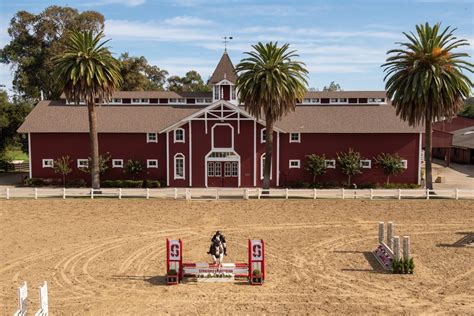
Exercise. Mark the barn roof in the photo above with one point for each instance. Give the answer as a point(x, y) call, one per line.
point(59, 117)
point(464, 137)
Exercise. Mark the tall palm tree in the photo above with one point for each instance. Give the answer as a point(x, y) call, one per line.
point(426, 80)
point(88, 71)
point(269, 84)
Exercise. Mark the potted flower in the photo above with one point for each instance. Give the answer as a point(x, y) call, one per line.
point(172, 277)
point(257, 277)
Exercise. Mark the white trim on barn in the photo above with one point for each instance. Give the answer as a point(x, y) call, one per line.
point(29, 156)
point(168, 158)
point(175, 158)
point(212, 134)
point(419, 158)
point(190, 156)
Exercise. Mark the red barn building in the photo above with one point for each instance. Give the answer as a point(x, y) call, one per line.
point(205, 139)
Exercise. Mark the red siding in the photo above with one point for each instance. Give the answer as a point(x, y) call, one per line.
point(369, 145)
point(134, 146)
point(76, 146)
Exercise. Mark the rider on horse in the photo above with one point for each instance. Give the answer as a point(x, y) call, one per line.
point(218, 236)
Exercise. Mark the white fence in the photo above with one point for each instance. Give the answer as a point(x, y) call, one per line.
point(235, 193)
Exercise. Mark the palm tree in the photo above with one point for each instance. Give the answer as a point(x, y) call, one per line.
point(426, 80)
point(269, 84)
point(88, 71)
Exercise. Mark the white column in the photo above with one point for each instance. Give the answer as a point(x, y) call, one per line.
point(278, 160)
point(29, 155)
point(254, 153)
point(190, 156)
point(420, 148)
point(167, 158)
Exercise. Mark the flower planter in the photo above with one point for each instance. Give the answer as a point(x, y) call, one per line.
point(256, 280)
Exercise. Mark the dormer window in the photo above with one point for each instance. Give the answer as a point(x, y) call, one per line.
point(135, 100)
point(117, 101)
point(217, 92)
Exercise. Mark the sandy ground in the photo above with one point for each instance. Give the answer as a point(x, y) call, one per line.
point(107, 257)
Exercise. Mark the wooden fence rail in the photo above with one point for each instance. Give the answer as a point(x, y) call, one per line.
point(235, 193)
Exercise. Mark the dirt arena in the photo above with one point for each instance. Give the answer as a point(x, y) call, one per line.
point(107, 257)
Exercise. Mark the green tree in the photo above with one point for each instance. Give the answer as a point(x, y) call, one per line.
point(62, 166)
point(390, 163)
point(133, 168)
point(138, 75)
point(35, 39)
point(468, 108)
point(12, 115)
point(425, 80)
point(87, 70)
point(332, 87)
point(349, 162)
point(316, 165)
point(191, 82)
point(269, 84)
point(103, 164)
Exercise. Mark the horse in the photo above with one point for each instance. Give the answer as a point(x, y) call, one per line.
point(217, 252)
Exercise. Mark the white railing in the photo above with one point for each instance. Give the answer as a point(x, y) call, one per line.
point(235, 193)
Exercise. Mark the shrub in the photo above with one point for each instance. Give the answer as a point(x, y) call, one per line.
point(76, 183)
point(132, 183)
point(401, 186)
point(6, 163)
point(133, 168)
point(62, 166)
point(153, 184)
point(34, 182)
point(172, 272)
point(112, 184)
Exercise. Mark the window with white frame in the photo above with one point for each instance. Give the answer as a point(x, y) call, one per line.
point(366, 163)
point(294, 164)
point(48, 163)
point(227, 169)
point(306, 101)
point(145, 101)
point(218, 169)
point(263, 135)
point(342, 100)
point(235, 169)
point(117, 163)
point(404, 163)
point(262, 164)
point(179, 166)
point(233, 92)
point(135, 100)
point(210, 169)
point(334, 100)
point(152, 163)
point(82, 163)
point(117, 101)
point(315, 100)
point(179, 135)
point(295, 137)
point(330, 164)
point(376, 100)
point(152, 138)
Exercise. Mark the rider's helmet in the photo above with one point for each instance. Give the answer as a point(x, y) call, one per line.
point(218, 232)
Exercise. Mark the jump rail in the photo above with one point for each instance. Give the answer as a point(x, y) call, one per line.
point(235, 193)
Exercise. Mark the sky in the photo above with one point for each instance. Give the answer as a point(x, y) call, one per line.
point(341, 41)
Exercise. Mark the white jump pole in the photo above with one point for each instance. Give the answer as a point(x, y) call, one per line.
point(396, 247)
point(406, 247)
point(390, 234)
point(381, 232)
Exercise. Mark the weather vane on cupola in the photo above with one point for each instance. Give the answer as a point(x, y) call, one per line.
point(225, 41)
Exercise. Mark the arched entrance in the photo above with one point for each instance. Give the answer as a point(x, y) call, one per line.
point(222, 169)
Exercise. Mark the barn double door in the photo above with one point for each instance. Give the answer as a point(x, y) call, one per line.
point(222, 173)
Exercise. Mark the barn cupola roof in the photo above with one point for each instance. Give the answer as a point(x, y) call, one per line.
point(224, 71)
